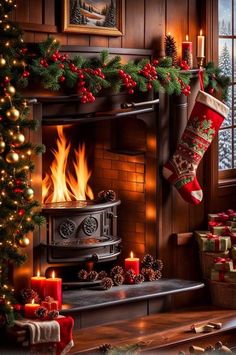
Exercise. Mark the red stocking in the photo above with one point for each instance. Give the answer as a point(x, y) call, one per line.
point(204, 122)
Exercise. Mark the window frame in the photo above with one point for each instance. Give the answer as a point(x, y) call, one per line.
point(219, 184)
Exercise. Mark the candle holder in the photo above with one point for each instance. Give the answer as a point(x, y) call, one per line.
point(200, 62)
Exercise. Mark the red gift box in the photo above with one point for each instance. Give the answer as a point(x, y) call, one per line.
point(50, 304)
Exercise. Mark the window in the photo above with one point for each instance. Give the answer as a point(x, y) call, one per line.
point(227, 63)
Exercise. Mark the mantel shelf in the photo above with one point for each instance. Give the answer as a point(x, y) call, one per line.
point(95, 297)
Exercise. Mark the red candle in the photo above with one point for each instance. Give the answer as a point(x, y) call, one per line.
point(38, 284)
point(53, 288)
point(132, 263)
point(187, 51)
point(30, 309)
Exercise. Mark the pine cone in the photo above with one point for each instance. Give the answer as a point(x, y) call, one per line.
point(107, 283)
point(28, 294)
point(92, 276)
point(41, 312)
point(139, 279)
point(53, 314)
point(129, 276)
point(158, 274)
point(116, 270)
point(147, 261)
point(171, 49)
point(157, 265)
point(106, 195)
point(104, 348)
point(82, 275)
point(148, 273)
point(118, 279)
point(102, 274)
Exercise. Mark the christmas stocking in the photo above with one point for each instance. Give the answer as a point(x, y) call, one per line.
point(204, 122)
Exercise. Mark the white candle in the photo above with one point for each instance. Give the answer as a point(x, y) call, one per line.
point(200, 45)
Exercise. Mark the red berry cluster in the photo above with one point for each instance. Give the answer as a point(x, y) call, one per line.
point(56, 56)
point(185, 89)
point(184, 65)
point(127, 81)
point(149, 71)
point(43, 62)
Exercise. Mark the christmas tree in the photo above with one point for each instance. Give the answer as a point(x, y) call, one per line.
point(110, 19)
point(225, 61)
point(18, 215)
point(75, 13)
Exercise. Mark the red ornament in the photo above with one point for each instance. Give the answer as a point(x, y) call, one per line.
point(24, 50)
point(17, 190)
point(6, 80)
point(211, 91)
point(26, 74)
point(21, 212)
point(62, 78)
point(1, 117)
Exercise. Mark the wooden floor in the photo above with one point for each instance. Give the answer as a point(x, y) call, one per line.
point(163, 333)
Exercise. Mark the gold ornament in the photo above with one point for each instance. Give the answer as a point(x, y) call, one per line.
point(28, 193)
point(23, 242)
point(12, 157)
point(10, 90)
point(18, 139)
point(2, 145)
point(13, 114)
point(2, 62)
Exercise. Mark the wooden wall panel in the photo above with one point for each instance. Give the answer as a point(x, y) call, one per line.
point(177, 19)
point(36, 11)
point(134, 24)
point(155, 25)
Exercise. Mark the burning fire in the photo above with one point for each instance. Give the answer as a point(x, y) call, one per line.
point(62, 185)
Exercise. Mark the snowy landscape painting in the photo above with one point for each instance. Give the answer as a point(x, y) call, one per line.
point(93, 16)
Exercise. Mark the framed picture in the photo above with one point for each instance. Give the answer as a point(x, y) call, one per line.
point(100, 17)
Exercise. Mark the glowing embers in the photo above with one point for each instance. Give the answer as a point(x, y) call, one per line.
point(65, 182)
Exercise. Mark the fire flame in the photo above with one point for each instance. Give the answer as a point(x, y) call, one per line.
point(61, 185)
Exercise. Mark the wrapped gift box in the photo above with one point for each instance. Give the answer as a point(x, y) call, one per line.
point(50, 304)
point(220, 230)
point(207, 260)
point(218, 217)
point(223, 276)
point(223, 264)
point(231, 224)
point(215, 243)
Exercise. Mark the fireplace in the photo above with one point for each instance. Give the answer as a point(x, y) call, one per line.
point(119, 138)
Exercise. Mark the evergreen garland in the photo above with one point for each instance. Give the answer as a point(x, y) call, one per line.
point(216, 83)
point(90, 76)
point(18, 208)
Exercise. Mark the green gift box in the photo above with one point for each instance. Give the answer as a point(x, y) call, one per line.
point(215, 243)
point(220, 230)
point(231, 224)
point(223, 264)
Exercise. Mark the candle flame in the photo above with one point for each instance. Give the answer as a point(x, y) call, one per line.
point(32, 302)
point(53, 274)
point(186, 37)
point(200, 32)
point(131, 255)
point(38, 273)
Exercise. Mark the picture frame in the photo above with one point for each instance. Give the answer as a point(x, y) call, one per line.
point(97, 17)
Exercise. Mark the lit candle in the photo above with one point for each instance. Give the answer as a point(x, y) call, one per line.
point(132, 263)
point(30, 309)
point(53, 288)
point(200, 45)
point(38, 284)
point(187, 51)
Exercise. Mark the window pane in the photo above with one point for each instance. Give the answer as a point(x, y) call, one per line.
point(228, 120)
point(225, 22)
point(225, 149)
point(225, 56)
